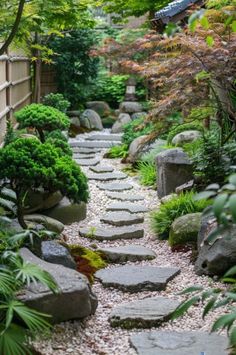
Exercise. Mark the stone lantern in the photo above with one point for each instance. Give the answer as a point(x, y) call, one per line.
point(130, 89)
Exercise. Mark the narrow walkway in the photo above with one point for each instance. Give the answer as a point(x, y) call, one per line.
point(140, 288)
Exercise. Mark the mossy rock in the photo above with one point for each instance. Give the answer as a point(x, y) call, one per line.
point(87, 260)
point(184, 230)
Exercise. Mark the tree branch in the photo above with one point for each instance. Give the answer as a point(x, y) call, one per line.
point(14, 28)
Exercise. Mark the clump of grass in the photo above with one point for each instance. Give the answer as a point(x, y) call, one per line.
point(118, 151)
point(177, 206)
point(147, 173)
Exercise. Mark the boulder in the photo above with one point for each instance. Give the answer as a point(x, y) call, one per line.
point(50, 224)
point(91, 120)
point(74, 113)
point(130, 107)
point(67, 212)
point(75, 299)
point(138, 115)
point(101, 107)
point(218, 258)
point(186, 137)
point(55, 253)
point(41, 200)
point(135, 148)
point(173, 169)
point(147, 151)
point(184, 230)
point(75, 122)
point(122, 120)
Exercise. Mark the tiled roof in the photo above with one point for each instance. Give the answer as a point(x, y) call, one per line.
point(174, 8)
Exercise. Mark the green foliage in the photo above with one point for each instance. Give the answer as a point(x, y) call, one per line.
point(118, 151)
point(147, 173)
point(183, 127)
point(158, 147)
point(57, 101)
point(177, 206)
point(42, 118)
point(76, 69)
point(135, 129)
point(10, 135)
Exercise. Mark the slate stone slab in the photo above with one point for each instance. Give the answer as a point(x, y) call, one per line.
point(93, 144)
point(115, 186)
point(107, 176)
point(99, 169)
point(121, 219)
point(75, 300)
point(146, 313)
point(83, 156)
point(126, 206)
point(86, 150)
point(184, 343)
point(124, 196)
point(137, 278)
point(127, 253)
point(55, 253)
point(87, 162)
point(105, 137)
point(112, 234)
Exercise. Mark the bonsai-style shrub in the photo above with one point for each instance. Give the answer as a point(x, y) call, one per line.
point(42, 118)
point(57, 101)
point(29, 164)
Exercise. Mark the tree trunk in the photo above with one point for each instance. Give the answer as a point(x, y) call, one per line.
point(37, 72)
point(41, 135)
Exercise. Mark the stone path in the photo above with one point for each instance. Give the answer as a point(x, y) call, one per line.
point(141, 290)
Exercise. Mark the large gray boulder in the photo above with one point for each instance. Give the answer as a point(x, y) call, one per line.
point(122, 120)
point(101, 107)
point(184, 230)
point(49, 223)
point(186, 137)
point(130, 107)
point(218, 258)
point(174, 169)
point(135, 148)
point(138, 115)
point(75, 299)
point(41, 200)
point(91, 120)
point(145, 150)
point(54, 252)
point(67, 212)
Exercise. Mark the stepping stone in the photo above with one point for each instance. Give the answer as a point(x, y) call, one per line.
point(83, 156)
point(137, 278)
point(115, 186)
point(182, 343)
point(107, 176)
point(86, 150)
point(105, 137)
point(124, 196)
point(93, 144)
point(112, 234)
point(125, 206)
point(102, 169)
point(87, 162)
point(146, 313)
point(121, 219)
point(127, 253)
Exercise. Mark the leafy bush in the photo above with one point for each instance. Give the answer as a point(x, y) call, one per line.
point(118, 151)
point(42, 118)
point(177, 206)
point(183, 127)
point(28, 164)
point(147, 173)
point(57, 101)
point(135, 129)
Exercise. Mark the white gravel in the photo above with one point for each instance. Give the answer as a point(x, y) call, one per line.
point(94, 335)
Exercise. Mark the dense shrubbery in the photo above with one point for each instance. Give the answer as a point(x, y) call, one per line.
point(42, 118)
point(177, 206)
point(57, 101)
point(134, 129)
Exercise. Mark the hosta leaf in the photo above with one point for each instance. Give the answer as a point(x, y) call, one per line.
point(183, 307)
point(213, 187)
point(232, 206)
point(232, 337)
point(191, 289)
point(218, 204)
point(209, 306)
point(204, 195)
point(224, 321)
point(231, 271)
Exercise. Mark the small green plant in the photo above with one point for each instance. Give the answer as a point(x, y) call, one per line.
point(183, 127)
point(91, 232)
point(158, 147)
point(42, 118)
point(177, 206)
point(134, 129)
point(57, 101)
point(118, 151)
point(147, 173)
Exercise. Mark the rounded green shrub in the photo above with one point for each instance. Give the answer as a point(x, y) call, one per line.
point(42, 118)
point(183, 127)
point(162, 219)
point(29, 164)
point(57, 101)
